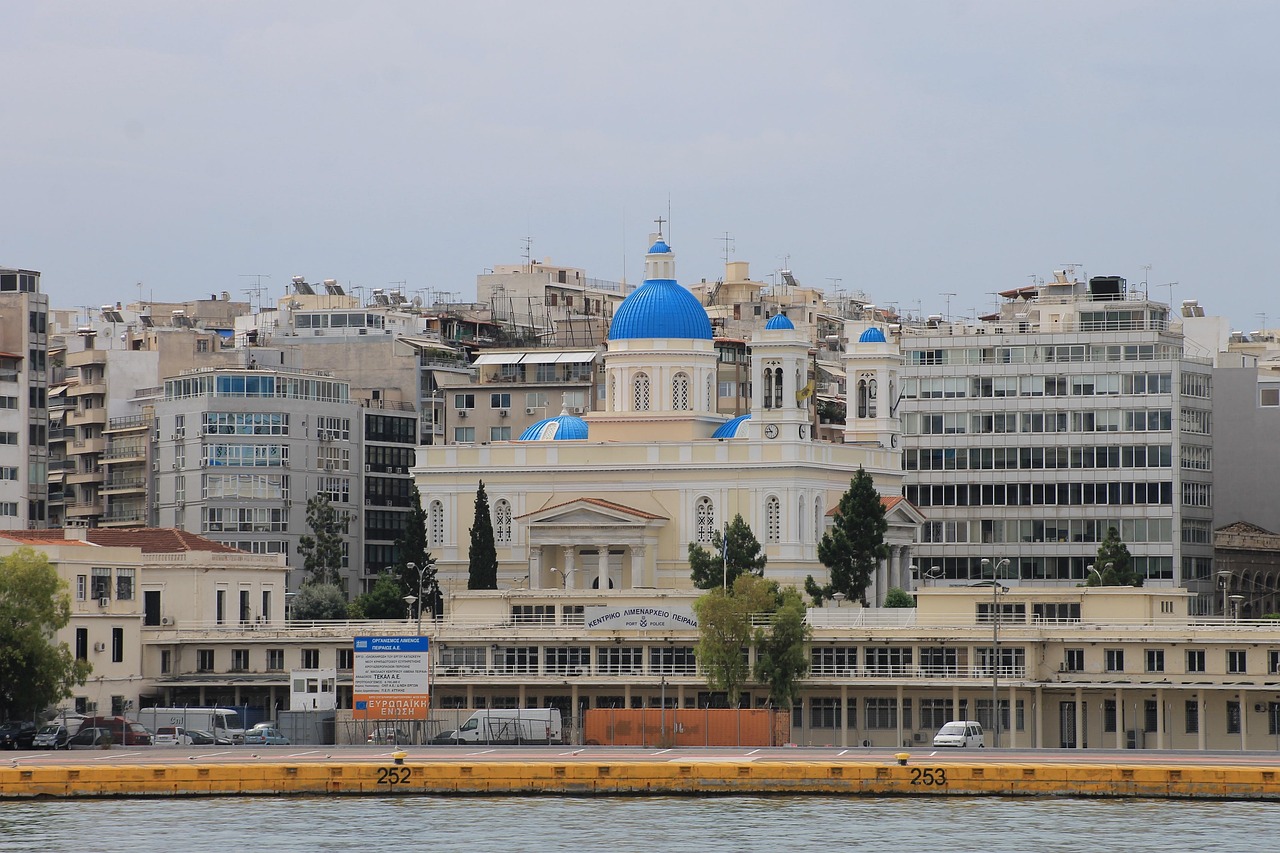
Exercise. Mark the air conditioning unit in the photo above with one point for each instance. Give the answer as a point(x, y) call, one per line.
point(328, 468)
point(502, 413)
point(323, 435)
point(577, 410)
point(176, 466)
point(166, 620)
point(180, 504)
point(366, 468)
point(174, 437)
point(99, 647)
point(529, 410)
point(462, 413)
point(104, 602)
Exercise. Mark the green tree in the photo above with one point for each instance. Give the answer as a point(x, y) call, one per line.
point(781, 659)
point(321, 549)
point(737, 553)
point(854, 545)
point(482, 556)
point(1114, 563)
point(724, 630)
point(36, 672)
point(385, 600)
point(319, 601)
point(896, 596)
point(411, 547)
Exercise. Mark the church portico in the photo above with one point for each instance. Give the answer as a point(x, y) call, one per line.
point(591, 544)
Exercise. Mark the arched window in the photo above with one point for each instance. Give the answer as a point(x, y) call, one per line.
point(777, 388)
point(705, 517)
point(640, 393)
point(871, 398)
point(862, 398)
point(772, 519)
point(800, 517)
point(435, 523)
point(613, 394)
point(799, 385)
point(680, 393)
point(502, 521)
point(817, 519)
point(711, 393)
point(768, 387)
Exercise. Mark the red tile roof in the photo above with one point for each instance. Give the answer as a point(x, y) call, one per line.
point(887, 502)
point(152, 540)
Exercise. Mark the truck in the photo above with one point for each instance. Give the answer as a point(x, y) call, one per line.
point(507, 726)
point(219, 722)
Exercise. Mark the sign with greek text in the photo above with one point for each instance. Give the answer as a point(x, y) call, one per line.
point(391, 678)
point(640, 618)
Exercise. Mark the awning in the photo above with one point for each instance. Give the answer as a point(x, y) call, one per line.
point(576, 357)
point(541, 357)
point(499, 358)
point(226, 333)
point(834, 371)
point(424, 344)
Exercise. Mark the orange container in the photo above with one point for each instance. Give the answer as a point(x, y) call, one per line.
point(686, 727)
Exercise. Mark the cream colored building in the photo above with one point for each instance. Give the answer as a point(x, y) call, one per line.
point(613, 498)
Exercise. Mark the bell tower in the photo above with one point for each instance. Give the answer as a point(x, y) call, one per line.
point(872, 366)
point(781, 396)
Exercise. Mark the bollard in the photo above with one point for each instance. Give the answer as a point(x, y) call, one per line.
point(902, 757)
point(398, 756)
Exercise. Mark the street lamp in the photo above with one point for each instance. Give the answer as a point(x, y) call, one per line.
point(1224, 584)
point(422, 574)
point(995, 648)
point(839, 597)
point(1236, 600)
point(1092, 571)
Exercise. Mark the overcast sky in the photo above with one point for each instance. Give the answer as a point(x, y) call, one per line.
point(909, 150)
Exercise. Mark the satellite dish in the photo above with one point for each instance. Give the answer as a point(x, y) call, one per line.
point(417, 302)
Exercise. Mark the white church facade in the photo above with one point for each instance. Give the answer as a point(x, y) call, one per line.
point(611, 500)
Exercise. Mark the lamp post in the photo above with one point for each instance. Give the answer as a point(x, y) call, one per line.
point(839, 597)
point(1236, 601)
point(995, 648)
point(1224, 584)
point(422, 574)
point(1090, 570)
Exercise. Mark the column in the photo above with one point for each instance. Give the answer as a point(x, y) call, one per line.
point(570, 552)
point(898, 744)
point(1159, 718)
point(639, 577)
point(1119, 720)
point(1244, 720)
point(1200, 721)
point(535, 567)
point(1038, 713)
point(844, 714)
point(602, 555)
point(895, 568)
point(1080, 732)
point(1013, 717)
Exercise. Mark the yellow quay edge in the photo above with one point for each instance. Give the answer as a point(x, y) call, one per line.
point(272, 777)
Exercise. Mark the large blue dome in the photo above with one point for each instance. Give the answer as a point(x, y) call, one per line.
point(779, 321)
point(660, 308)
point(559, 428)
point(871, 336)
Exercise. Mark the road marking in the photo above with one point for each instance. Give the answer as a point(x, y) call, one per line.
point(299, 754)
point(482, 752)
point(117, 755)
point(753, 752)
point(215, 754)
point(662, 752)
point(841, 752)
point(38, 755)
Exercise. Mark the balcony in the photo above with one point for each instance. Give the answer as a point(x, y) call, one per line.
point(118, 485)
point(124, 518)
point(86, 416)
point(81, 446)
point(83, 509)
point(130, 422)
point(120, 453)
point(92, 475)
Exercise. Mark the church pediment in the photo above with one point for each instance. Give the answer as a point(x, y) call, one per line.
point(590, 512)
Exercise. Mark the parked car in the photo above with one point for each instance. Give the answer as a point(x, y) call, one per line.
point(91, 737)
point(199, 737)
point(172, 736)
point(18, 734)
point(265, 736)
point(52, 736)
point(961, 733)
point(388, 733)
point(126, 732)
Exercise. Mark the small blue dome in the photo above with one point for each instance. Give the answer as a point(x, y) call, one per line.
point(731, 429)
point(871, 336)
point(559, 428)
point(660, 248)
point(660, 308)
point(779, 321)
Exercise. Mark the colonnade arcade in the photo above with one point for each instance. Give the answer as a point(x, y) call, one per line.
point(592, 544)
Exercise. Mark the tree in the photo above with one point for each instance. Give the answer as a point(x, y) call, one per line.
point(724, 630)
point(1114, 563)
point(36, 672)
point(319, 601)
point(321, 549)
point(482, 556)
point(899, 597)
point(411, 547)
point(384, 601)
point(854, 545)
point(781, 660)
point(739, 553)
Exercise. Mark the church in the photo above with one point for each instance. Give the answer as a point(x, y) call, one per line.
point(612, 499)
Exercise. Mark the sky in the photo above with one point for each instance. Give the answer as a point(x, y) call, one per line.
point(925, 154)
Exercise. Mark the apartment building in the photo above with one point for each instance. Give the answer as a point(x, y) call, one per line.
point(1073, 409)
point(24, 388)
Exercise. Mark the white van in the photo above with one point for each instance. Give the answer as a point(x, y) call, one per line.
point(961, 733)
point(507, 726)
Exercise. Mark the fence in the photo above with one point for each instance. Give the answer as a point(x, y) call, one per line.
point(669, 727)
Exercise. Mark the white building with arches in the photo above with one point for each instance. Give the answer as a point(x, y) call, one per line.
point(611, 500)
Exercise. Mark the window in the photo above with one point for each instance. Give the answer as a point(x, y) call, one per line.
point(204, 660)
point(772, 519)
point(1195, 660)
point(1191, 713)
point(680, 392)
point(346, 658)
point(882, 713)
point(239, 660)
point(833, 660)
point(166, 661)
point(499, 401)
point(101, 583)
point(117, 645)
point(934, 713)
point(464, 401)
point(502, 521)
point(1155, 660)
point(640, 393)
point(1115, 660)
point(82, 644)
point(1237, 663)
point(500, 433)
point(568, 660)
point(1150, 715)
point(464, 435)
point(1233, 718)
point(824, 712)
point(1108, 715)
point(435, 522)
point(310, 659)
point(620, 660)
point(1073, 660)
point(275, 659)
point(705, 519)
point(82, 587)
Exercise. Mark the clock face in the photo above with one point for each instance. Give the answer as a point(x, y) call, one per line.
point(802, 431)
point(771, 431)
point(893, 440)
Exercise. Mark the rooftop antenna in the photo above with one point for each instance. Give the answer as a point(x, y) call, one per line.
point(835, 287)
point(1071, 268)
point(729, 246)
point(528, 254)
point(1146, 268)
point(256, 291)
point(1263, 317)
point(1169, 285)
point(668, 216)
point(948, 295)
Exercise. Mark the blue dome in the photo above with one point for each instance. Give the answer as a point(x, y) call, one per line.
point(730, 429)
point(871, 336)
point(779, 321)
point(559, 428)
point(660, 308)
point(659, 248)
